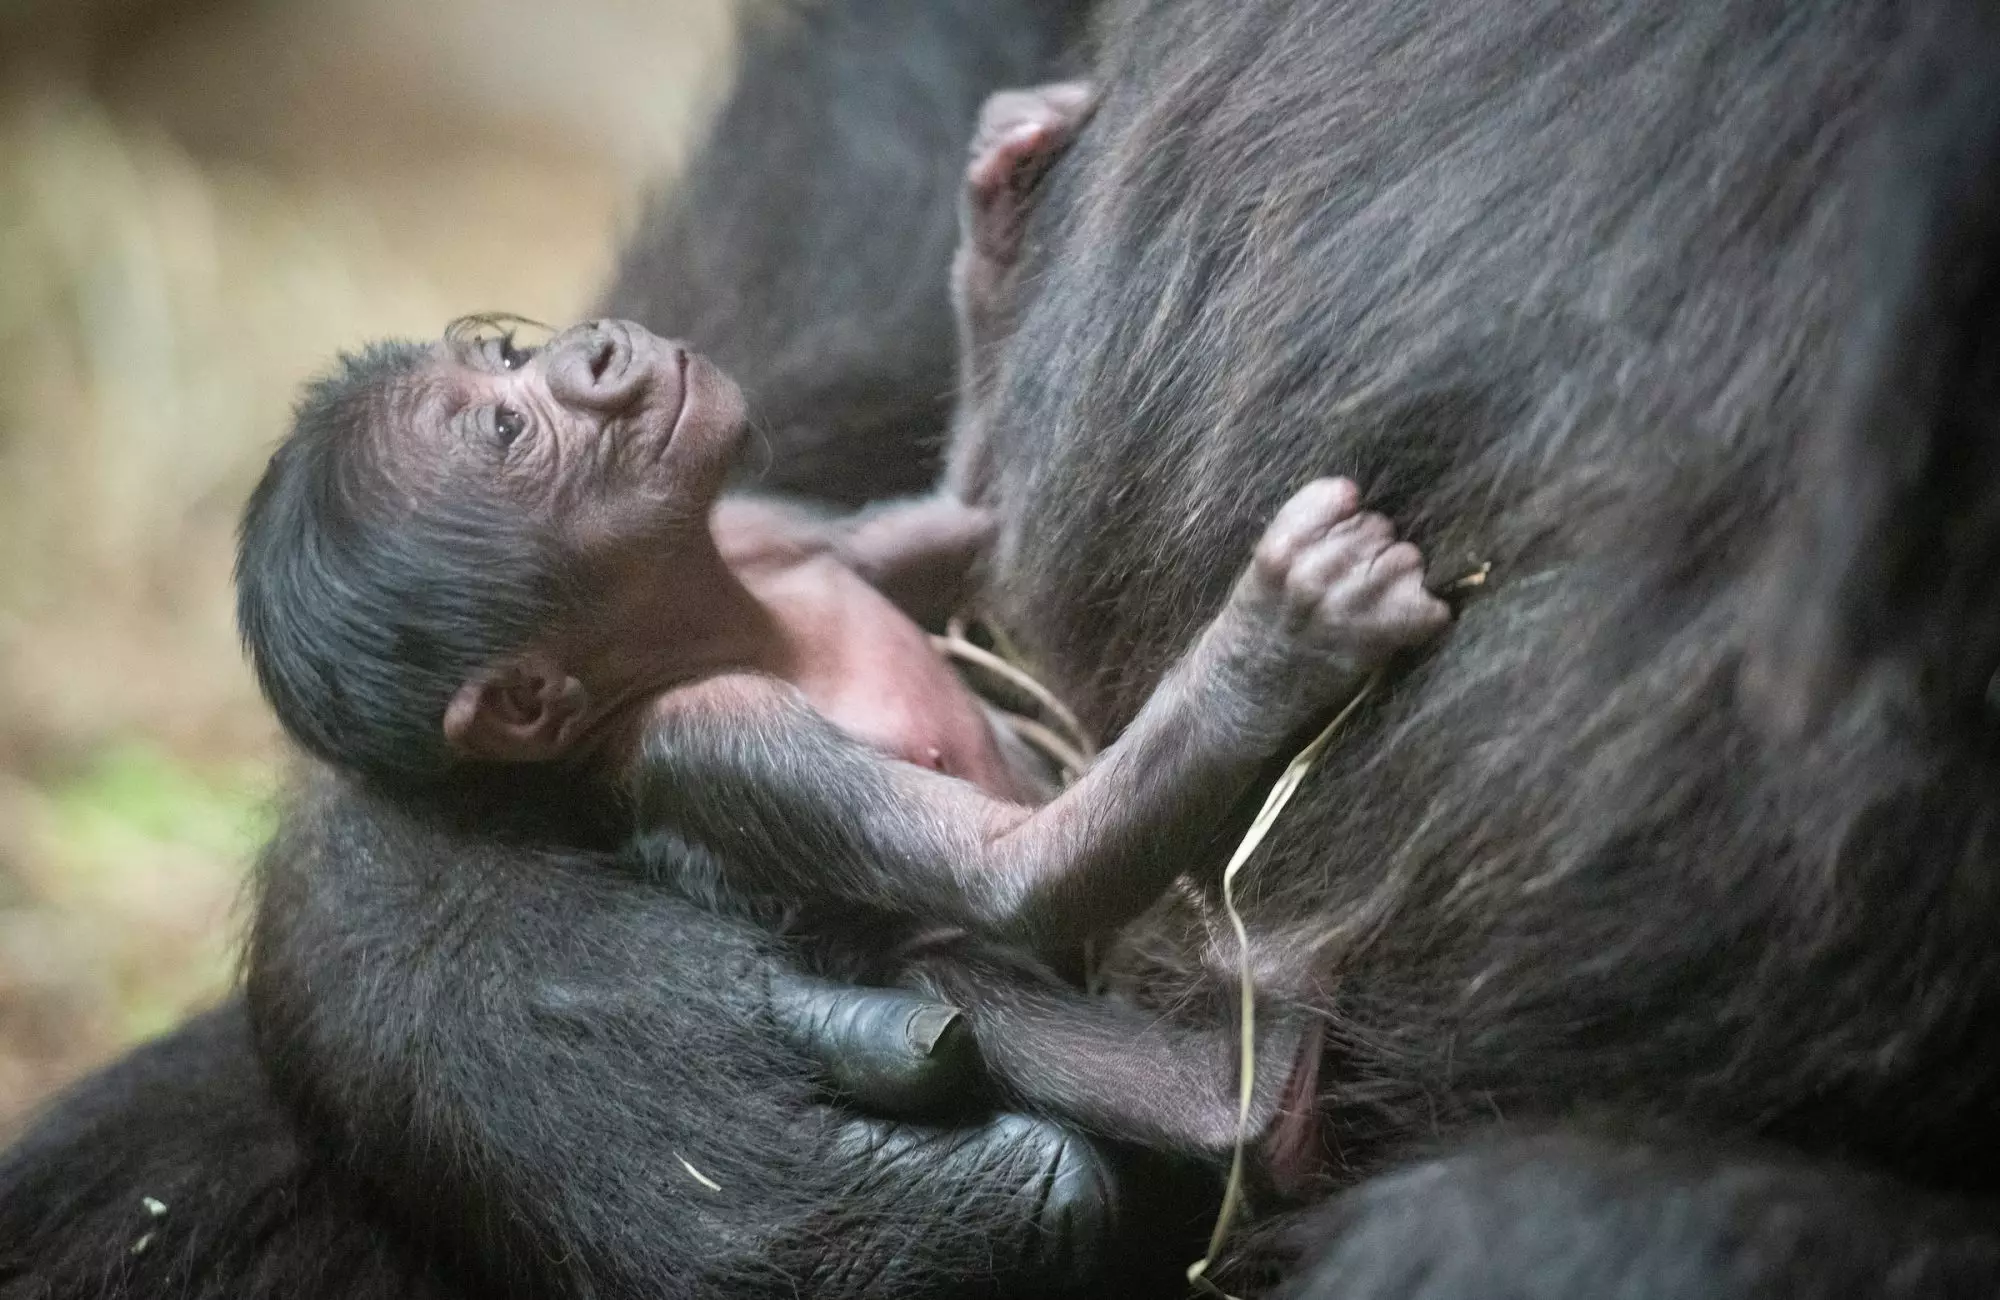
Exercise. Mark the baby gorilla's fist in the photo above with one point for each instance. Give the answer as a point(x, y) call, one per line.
point(1328, 597)
point(1333, 579)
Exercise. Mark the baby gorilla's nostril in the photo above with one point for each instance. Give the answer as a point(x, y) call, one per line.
point(600, 357)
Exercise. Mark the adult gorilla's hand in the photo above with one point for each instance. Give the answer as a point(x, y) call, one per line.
point(913, 1063)
point(890, 1051)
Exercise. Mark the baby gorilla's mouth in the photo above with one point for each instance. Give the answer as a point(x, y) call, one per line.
point(683, 399)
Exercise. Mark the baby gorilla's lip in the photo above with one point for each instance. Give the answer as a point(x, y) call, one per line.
point(685, 397)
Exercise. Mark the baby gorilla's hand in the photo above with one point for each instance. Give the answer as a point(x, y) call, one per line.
point(1333, 579)
point(1329, 596)
point(1020, 135)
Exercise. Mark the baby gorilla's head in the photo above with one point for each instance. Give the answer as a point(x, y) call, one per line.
point(439, 506)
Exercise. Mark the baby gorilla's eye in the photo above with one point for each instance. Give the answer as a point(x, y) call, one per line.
point(511, 357)
point(508, 425)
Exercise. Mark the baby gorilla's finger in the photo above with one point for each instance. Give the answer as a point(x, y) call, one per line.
point(886, 1050)
point(1421, 611)
point(1413, 609)
point(1343, 555)
point(1396, 561)
point(1302, 521)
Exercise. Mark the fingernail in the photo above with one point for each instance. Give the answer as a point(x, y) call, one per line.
point(928, 1026)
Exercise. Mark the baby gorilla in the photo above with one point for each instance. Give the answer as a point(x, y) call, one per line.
point(470, 557)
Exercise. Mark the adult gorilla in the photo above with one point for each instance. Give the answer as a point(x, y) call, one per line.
point(1686, 318)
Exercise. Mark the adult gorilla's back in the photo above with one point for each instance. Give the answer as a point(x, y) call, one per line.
point(1695, 813)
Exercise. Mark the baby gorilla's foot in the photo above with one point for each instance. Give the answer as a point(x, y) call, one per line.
point(1020, 135)
point(1329, 596)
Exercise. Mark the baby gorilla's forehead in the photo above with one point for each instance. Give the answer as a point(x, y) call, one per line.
point(412, 423)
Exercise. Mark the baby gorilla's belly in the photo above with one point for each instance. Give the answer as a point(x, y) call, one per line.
point(887, 686)
point(916, 709)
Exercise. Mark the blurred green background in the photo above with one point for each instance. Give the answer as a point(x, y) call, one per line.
point(199, 203)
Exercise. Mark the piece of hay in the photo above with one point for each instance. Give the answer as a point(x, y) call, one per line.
point(697, 1174)
point(1282, 790)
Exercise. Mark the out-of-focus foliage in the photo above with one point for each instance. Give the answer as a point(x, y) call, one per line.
point(200, 203)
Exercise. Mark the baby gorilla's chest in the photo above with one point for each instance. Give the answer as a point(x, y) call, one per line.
point(872, 672)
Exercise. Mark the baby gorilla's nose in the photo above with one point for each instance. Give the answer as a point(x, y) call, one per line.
point(602, 356)
point(600, 365)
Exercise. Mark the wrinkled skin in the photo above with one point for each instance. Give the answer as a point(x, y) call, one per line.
point(1582, 291)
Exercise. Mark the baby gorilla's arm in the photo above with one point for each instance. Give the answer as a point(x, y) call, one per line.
point(794, 809)
point(920, 552)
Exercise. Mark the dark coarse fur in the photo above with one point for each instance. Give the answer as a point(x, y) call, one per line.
point(394, 1170)
point(826, 298)
point(1588, 290)
point(523, 1051)
point(248, 1213)
point(1585, 289)
point(1569, 1218)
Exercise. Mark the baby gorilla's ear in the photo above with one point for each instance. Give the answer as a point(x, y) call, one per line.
point(522, 710)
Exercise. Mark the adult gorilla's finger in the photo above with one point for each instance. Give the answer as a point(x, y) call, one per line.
point(887, 1050)
point(1045, 1200)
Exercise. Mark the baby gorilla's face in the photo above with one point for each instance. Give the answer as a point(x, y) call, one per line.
point(605, 424)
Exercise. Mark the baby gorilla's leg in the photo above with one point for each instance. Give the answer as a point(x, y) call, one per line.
point(1130, 1074)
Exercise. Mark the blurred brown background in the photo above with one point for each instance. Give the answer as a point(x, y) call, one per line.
point(199, 203)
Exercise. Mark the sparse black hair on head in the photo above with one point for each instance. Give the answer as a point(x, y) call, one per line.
point(364, 604)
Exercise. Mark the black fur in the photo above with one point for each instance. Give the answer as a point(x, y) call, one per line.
point(1584, 288)
point(520, 1051)
point(1575, 288)
point(1571, 1218)
point(248, 1212)
point(363, 614)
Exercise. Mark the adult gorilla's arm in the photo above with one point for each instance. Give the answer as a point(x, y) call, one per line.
point(1576, 1216)
point(807, 244)
point(572, 1084)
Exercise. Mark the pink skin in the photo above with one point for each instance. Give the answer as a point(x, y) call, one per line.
point(721, 617)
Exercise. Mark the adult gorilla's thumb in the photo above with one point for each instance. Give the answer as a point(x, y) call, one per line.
point(887, 1050)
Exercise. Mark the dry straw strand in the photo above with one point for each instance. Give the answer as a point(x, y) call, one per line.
point(1282, 790)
